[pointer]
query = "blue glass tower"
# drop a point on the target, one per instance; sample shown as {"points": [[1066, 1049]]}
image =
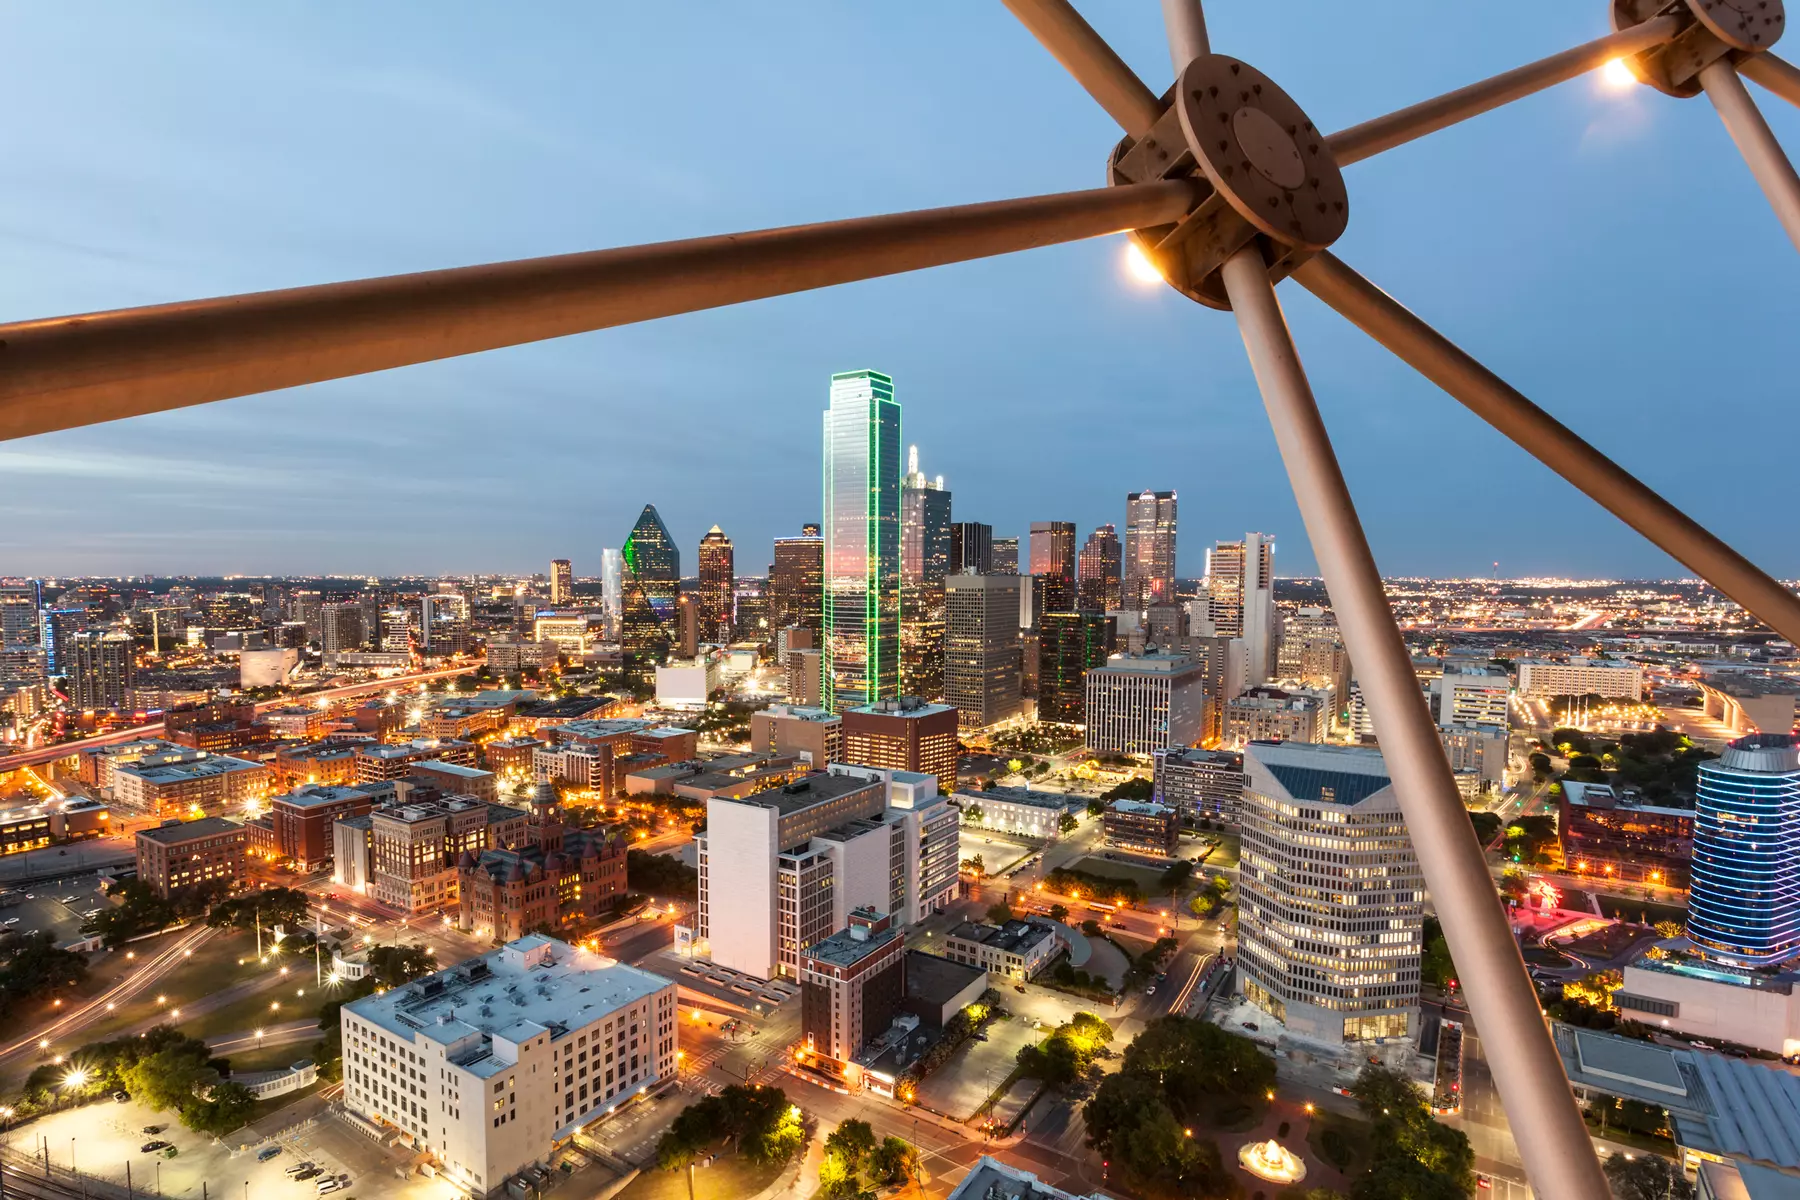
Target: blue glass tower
{"points": [[1744, 898]]}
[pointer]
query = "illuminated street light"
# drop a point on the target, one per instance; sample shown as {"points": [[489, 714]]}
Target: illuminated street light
{"points": [[75, 1078]]}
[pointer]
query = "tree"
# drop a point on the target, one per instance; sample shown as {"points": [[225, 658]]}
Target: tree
{"points": [[1059, 913], [1412, 1156], [1540, 766], [971, 814], [1174, 876], [660, 875], [1436, 967], [1091, 928], [269, 907], [1646, 1177], [226, 1106], [1670, 929], [139, 910], [392, 966], [894, 1161], [999, 913], [1096, 808], [33, 968], [847, 1152], [1067, 823]]}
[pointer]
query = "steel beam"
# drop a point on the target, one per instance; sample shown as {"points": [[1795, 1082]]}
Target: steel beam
{"points": [[1428, 116], [1550, 441], [1756, 142], [1532, 1083], [1185, 22], [68, 371], [1777, 74], [1085, 55]]}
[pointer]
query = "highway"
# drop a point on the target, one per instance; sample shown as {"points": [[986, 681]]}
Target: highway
{"points": [[47, 754]]}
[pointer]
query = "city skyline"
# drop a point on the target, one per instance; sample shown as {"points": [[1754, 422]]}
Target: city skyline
{"points": [[508, 133]]}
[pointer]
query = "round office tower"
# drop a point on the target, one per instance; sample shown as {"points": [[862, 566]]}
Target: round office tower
{"points": [[1744, 898]]}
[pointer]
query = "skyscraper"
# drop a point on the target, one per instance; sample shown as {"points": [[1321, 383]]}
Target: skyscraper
{"points": [[652, 579], [1744, 894], [444, 623], [612, 588], [971, 548], [1240, 579], [1005, 556], [21, 603], [60, 627], [1069, 644], [796, 583], [862, 541], [981, 648], [562, 582], [1053, 561], [718, 580], [1149, 549], [100, 674], [924, 564], [341, 629], [1097, 585]]}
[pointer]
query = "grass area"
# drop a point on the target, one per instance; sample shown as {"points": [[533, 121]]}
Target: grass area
{"points": [[1339, 1140], [1225, 856], [1107, 868], [1644, 912], [729, 1178], [1132, 947], [213, 968], [270, 1006]]}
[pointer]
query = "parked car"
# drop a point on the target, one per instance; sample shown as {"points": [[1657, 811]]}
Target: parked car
{"points": [[153, 1130], [301, 1166], [1151, 990], [121, 1096], [267, 1152], [328, 1185], [309, 1173], [1019, 988], [152, 1147]]}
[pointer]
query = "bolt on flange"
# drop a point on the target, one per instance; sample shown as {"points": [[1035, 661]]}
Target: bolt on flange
{"points": [[1711, 30], [1273, 179]]}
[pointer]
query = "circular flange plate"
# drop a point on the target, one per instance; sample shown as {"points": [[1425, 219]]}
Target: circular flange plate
{"points": [[1741, 24], [1261, 153]]}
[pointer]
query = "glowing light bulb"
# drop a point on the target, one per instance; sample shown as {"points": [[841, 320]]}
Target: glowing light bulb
{"points": [[1615, 74], [1139, 266]]}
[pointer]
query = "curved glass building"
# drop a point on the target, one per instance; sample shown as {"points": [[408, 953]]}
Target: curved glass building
{"points": [[1744, 899]]}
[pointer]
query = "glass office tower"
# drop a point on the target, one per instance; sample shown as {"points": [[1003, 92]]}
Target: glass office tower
{"points": [[651, 582], [862, 541], [1744, 896], [924, 565]]}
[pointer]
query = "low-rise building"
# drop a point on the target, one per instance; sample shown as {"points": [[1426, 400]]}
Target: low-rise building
{"points": [[384, 762], [1542, 678], [556, 878], [182, 856], [814, 734], [1714, 1001], [1750, 701], [302, 820], [578, 763], [317, 762], [905, 734], [1613, 833], [1016, 950], [1479, 751], [416, 842], [1015, 810], [937, 988], [489, 1065], [1142, 827], [510, 758], [1201, 783], [852, 985], [205, 783], [454, 779], [1272, 714]]}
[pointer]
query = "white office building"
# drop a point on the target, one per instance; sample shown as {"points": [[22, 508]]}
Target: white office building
{"points": [[1471, 695], [1016, 810], [489, 1065], [1542, 678], [1142, 703], [1330, 894]]}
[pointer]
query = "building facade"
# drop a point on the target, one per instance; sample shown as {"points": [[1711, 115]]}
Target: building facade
{"points": [[796, 584], [981, 649], [1241, 586], [905, 734], [414, 845], [852, 985], [649, 584], [811, 733], [1142, 703], [189, 786], [1070, 644], [102, 671], [1202, 783], [717, 598], [972, 548], [562, 582], [1097, 581], [1149, 572], [1330, 894], [1017, 950], [1053, 561], [302, 820], [1015, 810], [1142, 827], [1270, 714], [1614, 834], [184, 856], [861, 641], [1542, 678], [1744, 896], [924, 565]]}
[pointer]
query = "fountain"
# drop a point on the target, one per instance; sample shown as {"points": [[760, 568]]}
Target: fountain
{"points": [[1271, 1161]]}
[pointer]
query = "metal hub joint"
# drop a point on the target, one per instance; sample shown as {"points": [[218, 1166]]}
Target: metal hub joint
{"points": [[1711, 30], [1273, 181]]}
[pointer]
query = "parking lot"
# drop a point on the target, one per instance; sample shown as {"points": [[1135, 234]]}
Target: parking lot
{"points": [[959, 1087], [56, 906]]}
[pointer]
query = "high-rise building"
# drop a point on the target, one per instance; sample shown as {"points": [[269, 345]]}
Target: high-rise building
{"points": [[61, 625], [718, 588], [1149, 549], [687, 625], [1097, 584], [904, 734], [100, 675], [651, 582], [1241, 583], [1069, 645], [21, 622], [1053, 561], [924, 564], [796, 583], [862, 541], [562, 582], [1142, 703], [1472, 694], [1005, 556], [852, 985], [981, 648], [1265, 714], [1744, 894], [444, 623], [341, 629], [612, 588], [1331, 900], [971, 548]]}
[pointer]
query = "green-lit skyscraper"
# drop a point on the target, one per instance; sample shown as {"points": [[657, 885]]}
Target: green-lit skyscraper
{"points": [[862, 541], [651, 583]]}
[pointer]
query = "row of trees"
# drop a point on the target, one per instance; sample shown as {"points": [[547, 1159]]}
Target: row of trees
{"points": [[1411, 1155], [755, 1121], [1068, 1052], [1071, 881], [660, 875], [163, 1068], [31, 967]]}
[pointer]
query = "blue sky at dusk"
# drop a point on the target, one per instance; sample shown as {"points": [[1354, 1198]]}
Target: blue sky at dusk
{"points": [[1605, 251]]}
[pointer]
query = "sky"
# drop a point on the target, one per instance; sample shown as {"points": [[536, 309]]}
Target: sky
{"points": [[1605, 251]]}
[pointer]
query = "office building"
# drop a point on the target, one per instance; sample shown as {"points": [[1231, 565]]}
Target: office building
{"points": [[926, 826], [101, 670], [1142, 827], [1053, 561], [1149, 549], [796, 584], [562, 582], [60, 627], [852, 985], [649, 584], [750, 596], [1241, 586], [612, 589], [454, 779], [415, 842], [444, 623], [384, 762], [21, 620], [717, 597], [1751, 701], [1478, 750], [809, 733], [1069, 645], [553, 877], [341, 629], [1614, 834], [861, 640], [981, 651], [1031, 607], [490, 1065], [1744, 895], [178, 857], [1472, 694], [1270, 714], [1017, 950], [302, 819], [1141, 703], [1015, 810], [971, 548], [804, 677], [1330, 894], [1542, 678], [1098, 581], [1004, 554], [924, 565], [189, 786], [905, 734], [1200, 783]]}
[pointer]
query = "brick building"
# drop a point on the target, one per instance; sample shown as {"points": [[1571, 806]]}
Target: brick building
{"points": [[559, 878], [302, 820], [852, 986], [180, 856]]}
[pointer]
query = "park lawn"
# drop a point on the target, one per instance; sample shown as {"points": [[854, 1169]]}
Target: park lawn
{"points": [[269, 1006], [213, 967], [729, 1178], [1146, 878], [1133, 947], [1348, 1136], [1224, 856]]}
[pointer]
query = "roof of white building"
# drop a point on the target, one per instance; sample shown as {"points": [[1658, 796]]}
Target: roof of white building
{"points": [[1321, 774]]}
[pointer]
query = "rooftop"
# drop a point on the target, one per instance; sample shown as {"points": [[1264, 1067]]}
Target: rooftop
{"points": [[1151, 662], [903, 706], [1141, 808], [816, 788], [795, 712], [1014, 937], [1320, 774], [198, 767], [407, 749], [671, 731], [846, 948], [1194, 758], [990, 1179], [187, 831], [936, 980], [523, 988], [1021, 795], [461, 772], [315, 795], [1605, 796], [610, 727]]}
